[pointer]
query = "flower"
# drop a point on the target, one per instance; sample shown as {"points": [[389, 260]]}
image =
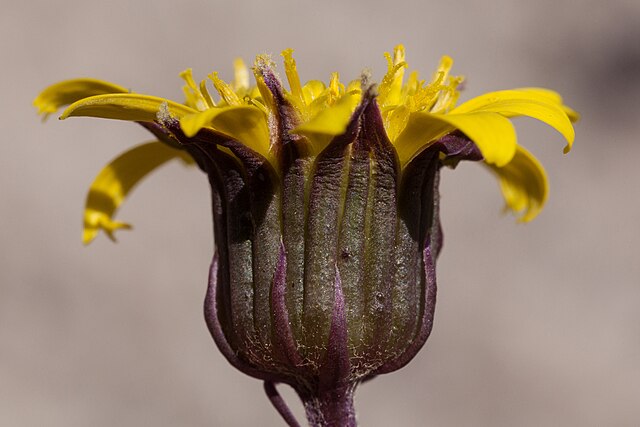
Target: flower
{"points": [[325, 207]]}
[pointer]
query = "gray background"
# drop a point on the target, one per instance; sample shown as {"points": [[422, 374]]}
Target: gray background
{"points": [[536, 325]]}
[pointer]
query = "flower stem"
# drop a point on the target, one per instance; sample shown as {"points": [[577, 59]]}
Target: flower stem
{"points": [[330, 408]]}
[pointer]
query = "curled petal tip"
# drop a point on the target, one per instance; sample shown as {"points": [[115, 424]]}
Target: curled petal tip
{"points": [[88, 236], [66, 113], [573, 115], [90, 232], [116, 226]]}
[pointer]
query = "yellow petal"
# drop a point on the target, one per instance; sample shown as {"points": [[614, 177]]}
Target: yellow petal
{"points": [[126, 106], [70, 91], [536, 104], [312, 90], [494, 134], [330, 122], [555, 98], [573, 115], [396, 120], [524, 185], [548, 94], [244, 123], [192, 123], [115, 181]]}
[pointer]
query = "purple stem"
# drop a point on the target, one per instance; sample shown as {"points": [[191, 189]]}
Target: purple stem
{"points": [[330, 408], [281, 406]]}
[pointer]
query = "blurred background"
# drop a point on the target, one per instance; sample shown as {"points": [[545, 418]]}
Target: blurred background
{"points": [[536, 325]]}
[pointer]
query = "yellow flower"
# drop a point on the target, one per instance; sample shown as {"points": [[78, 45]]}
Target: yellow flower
{"points": [[416, 114], [325, 207]]}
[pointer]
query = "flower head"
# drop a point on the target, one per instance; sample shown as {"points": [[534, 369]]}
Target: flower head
{"points": [[325, 205]]}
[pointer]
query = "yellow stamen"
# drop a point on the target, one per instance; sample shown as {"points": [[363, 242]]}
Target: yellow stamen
{"points": [[391, 85], [396, 85], [448, 96], [398, 54], [335, 88], [293, 78], [412, 85], [205, 94], [225, 90], [189, 98], [439, 95], [439, 77], [195, 98], [240, 75]]}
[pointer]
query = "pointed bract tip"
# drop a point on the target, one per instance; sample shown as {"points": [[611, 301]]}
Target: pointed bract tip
{"points": [[368, 87], [264, 64], [365, 78]]}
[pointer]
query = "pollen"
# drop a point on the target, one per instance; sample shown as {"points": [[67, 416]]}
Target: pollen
{"points": [[164, 115]]}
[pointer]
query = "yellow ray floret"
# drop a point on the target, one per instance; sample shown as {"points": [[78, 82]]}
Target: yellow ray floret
{"points": [[514, 103], [125, 106], [553, 98], [524, 185], [67, 92], [244, 123], [329, 122], [494, 134], [112, 185]]}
